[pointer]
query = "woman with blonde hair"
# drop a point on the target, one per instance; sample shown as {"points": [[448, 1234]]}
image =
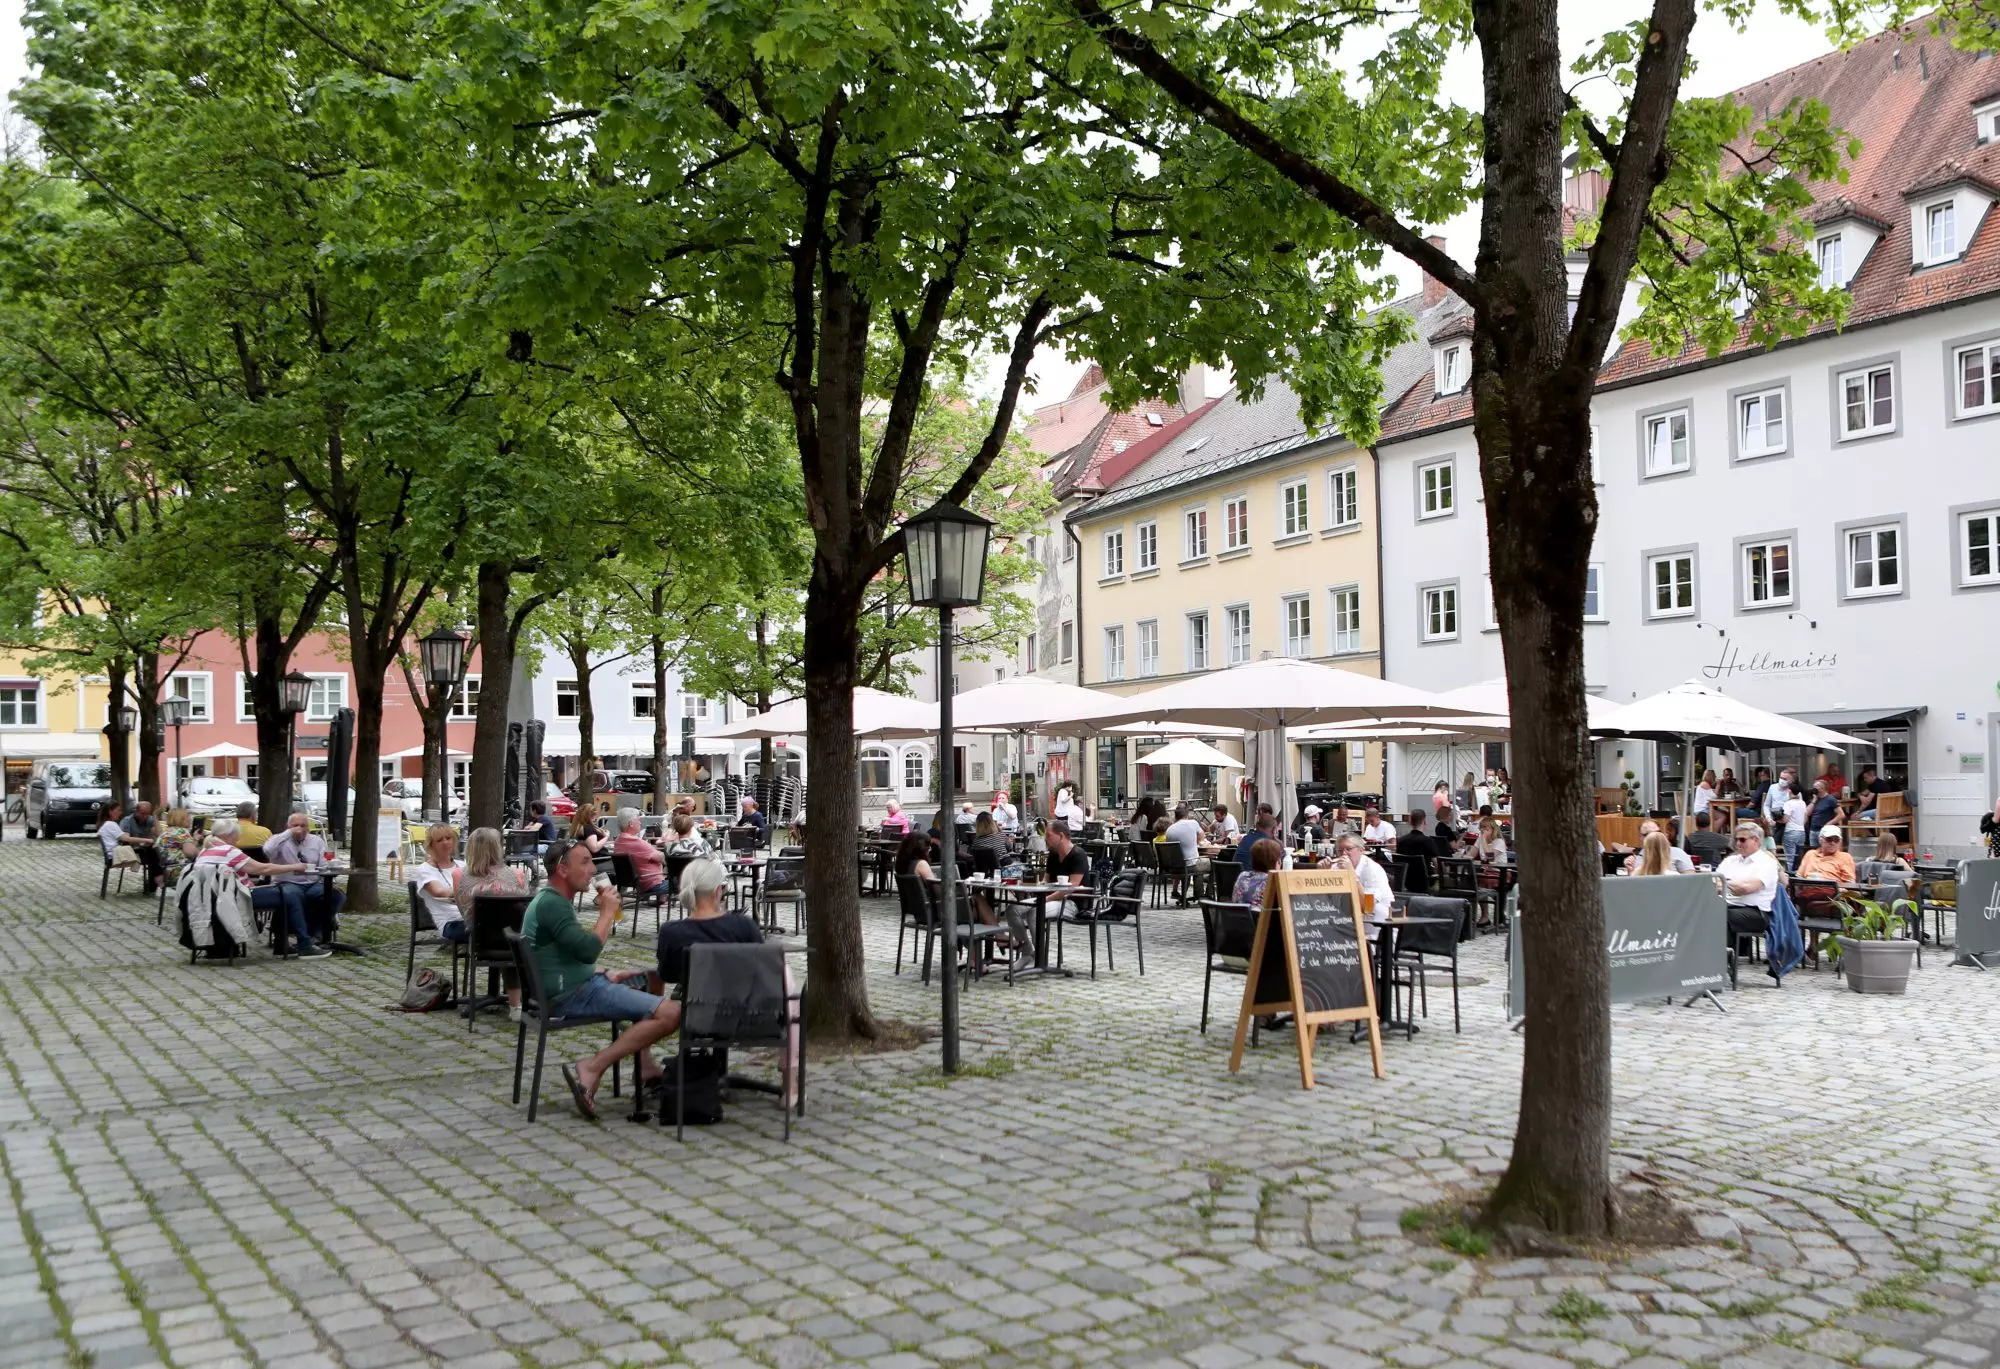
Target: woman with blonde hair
{"points": [[1656, 855], [583, 829], [487, 872], [1490, 845], [1887, 854]]}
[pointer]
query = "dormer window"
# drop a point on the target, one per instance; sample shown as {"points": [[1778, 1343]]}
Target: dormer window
{"points": [[1941, 231], [1451, 368], [1986, 122], [1828, 250]]}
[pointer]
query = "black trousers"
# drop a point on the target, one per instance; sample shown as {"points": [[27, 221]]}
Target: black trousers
{"points": [[1743, 918]]}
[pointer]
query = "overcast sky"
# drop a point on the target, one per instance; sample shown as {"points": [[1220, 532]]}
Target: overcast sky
{"points": [[1724, 60]]}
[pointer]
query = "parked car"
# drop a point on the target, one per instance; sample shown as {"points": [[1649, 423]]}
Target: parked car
{"points": [[618, 782], [561, 805], [217, 796], [65, 796], [409, 794], [315, 794]]}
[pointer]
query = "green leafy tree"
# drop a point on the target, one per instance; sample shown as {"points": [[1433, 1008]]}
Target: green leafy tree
{"points": [[1706, 206]]}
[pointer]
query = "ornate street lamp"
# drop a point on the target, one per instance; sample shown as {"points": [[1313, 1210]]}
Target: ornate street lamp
{"points": [[443, 653], [294, 696], [944, 561], [174, 711]]}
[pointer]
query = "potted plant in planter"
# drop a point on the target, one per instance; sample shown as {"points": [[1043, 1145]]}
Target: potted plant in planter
{"points": [[1870, 950]]}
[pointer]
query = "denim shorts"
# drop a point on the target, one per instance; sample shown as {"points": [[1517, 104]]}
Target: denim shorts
{"points": [[598, 997]]}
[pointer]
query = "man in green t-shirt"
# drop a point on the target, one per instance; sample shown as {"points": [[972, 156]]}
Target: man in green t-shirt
{"points": [[566, 955]]}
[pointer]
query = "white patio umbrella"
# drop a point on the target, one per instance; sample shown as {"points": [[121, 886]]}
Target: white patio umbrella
{"points": [[1473, 728], [410, 753], [1490, 697], [1189, 751], [221, 751], [1279, 693], [876, 714], [1694, 714]]}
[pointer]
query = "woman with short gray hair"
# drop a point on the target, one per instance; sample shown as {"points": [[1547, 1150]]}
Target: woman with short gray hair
{"points": [[706, 922]]}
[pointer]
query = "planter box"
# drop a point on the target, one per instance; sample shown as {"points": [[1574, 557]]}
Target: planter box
{"points": [[1877, 966]]}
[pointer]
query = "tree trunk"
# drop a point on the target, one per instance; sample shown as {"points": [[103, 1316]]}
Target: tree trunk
{"points": [[837, 1002], [586, 719], [118, 739], [765, 753], [662, 757], [146, 690], [1532, 421], [486, 803], [370, 670]]}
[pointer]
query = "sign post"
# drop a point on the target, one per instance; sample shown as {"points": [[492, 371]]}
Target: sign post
{"points": [[1978, 913], [1310, 958]]}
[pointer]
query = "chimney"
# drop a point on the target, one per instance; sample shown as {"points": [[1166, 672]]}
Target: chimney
{"points": [[1194, 387], [1583, 191], [1434, 289]]}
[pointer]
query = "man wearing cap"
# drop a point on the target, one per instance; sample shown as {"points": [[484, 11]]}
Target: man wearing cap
{"points": [[1828, 860], [1311, 832]]}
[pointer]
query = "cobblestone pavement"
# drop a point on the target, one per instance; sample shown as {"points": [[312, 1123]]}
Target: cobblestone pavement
{"points": [[260, 1164]]}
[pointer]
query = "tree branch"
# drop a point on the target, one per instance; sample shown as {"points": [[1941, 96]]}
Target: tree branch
{"points": [[1357, 207]]}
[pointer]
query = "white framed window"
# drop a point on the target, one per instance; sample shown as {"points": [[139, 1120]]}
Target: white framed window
{"points": [[567, 698], [1670, 585], [1596, 449], [1146, 546], [1492, 608], [1593, 594], [1440, 613], [246, 706], [1194, 534], [1760, 423], [1294, 515], [1197, 641], [875, 767], [193, 685], [1978, 370], [645, 705], [915, 770], [329, 696], [1868, 401], [1986, 123], [1345, 608], [1068, 636], [1827, 251], [1437, 495], [1979, 547], [1114, 552], [1767, 573], [1874, 561], [1149, 648], [1667, 446], [1237, 625], [21, 704], [1344, 502], [461, 778], [1236, 523], [1069, 549], [465, 704], [692, 706], [1451, 368], [1114, 653], [1298, 625], [1940, 231]]}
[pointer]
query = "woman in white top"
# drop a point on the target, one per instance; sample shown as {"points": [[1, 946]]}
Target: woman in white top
{"points": [[1704, 793], [437, 881], [1490, 846], [109, 831]]}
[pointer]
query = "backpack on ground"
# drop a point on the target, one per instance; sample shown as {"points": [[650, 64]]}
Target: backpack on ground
{"points": [[427, 991]]}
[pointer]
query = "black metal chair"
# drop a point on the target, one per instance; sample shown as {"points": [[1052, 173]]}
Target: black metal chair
{"points": [[420, 922], [493, 916], [972, 934], [125, 861], [1818, 904], [1222, 875], [1118, 904], [745, 840], [784, 882], [1457, 878], [1416, 872], [1229, 931], [735, 996], [916, 918], [626, 876], [1174, 874], [675, 865], [1418, 947], [521, 849], [535, 1013]]}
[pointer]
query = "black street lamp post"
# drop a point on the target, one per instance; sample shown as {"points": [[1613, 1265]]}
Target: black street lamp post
{"points": [[295, 694], [944, 560], [443, 653], [174, 713]]}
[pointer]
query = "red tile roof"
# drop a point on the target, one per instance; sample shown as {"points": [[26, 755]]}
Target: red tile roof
{"points": [[1908, 96]]}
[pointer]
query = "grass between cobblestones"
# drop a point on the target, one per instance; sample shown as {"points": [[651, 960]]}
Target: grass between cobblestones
{"points": [[260, 1164]]}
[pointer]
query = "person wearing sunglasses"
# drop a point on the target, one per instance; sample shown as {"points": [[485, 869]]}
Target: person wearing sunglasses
{"points": [[1750, 879]]}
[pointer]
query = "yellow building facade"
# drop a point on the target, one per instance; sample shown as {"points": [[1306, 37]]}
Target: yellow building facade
{"points": [[45, 714], [1269, 551]]}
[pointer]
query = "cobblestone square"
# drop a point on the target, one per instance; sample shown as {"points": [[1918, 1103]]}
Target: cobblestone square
{"points": [[263, 1164]]}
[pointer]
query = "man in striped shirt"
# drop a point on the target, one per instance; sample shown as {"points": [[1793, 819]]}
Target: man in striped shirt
{"points": [[222, 850]]}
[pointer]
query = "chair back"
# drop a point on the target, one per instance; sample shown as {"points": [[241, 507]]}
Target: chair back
{"points": [[420, 912], [521, 843], [1891, 806], [1229, 928], [985, 860], [1817, 897], [1144, 855], [736, 993], [676, 864], [529, 973], [1440, 940], [1120, 895], [1173, 860], [914, 898], [494, 915], [1415, 870], [1224, 873], [623, 872], [1457, 876], [743, 839], [785, 874]]}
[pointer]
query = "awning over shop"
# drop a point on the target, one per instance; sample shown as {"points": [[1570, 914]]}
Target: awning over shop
{"points": [[40, 745], [1847, 719]]}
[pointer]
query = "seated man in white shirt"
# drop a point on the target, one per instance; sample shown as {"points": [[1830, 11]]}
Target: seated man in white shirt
{"points": [[1683, 862], [1373, 878], [1375, 830], [1225, 826], [1750, 880]]}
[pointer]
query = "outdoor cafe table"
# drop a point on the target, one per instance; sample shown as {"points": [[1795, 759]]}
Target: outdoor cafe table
{"points": [[1927, 874], [281, 939], [1038, 895], [740, 866]]}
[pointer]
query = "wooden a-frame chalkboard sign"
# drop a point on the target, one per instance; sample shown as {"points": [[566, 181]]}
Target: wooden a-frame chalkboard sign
{"points": [[1310, 959]]}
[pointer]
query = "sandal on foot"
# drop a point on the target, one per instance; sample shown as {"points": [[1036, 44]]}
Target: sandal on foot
{"points": [[583, 1103]]}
